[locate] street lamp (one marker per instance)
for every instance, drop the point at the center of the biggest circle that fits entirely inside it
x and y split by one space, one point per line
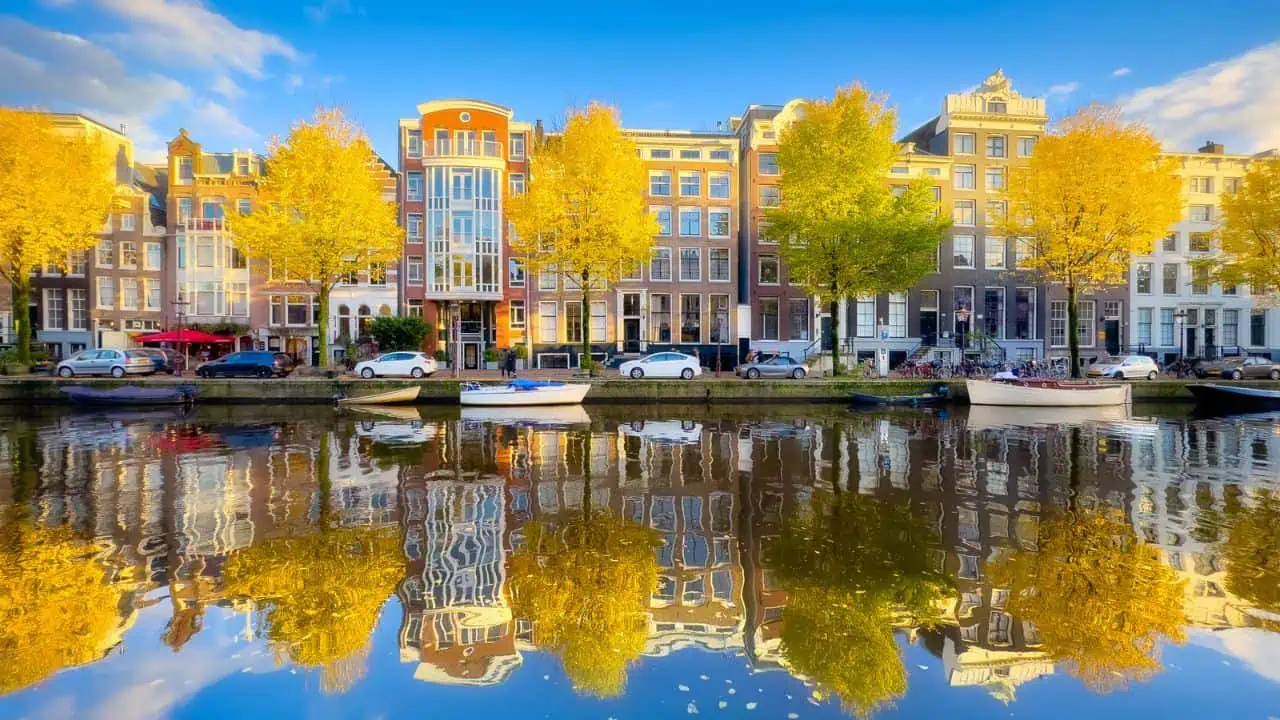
180 309
1181 339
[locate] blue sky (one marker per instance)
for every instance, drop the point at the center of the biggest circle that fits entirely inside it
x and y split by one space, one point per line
234 72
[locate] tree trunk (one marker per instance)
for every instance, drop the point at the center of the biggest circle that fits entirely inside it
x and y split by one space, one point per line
324 324
586 475
586 360
324 481
833 307
22 316
1073 331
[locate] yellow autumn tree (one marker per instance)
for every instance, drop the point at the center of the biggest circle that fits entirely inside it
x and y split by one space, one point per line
1249 234
322 593
1102 600
585 586
1095 192
584 214
322 215
842 230
1252 552
57 609
55 192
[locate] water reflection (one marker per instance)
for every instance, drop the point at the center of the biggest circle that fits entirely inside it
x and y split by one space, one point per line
819 542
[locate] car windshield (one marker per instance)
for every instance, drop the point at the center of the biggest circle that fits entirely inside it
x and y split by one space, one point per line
1111 360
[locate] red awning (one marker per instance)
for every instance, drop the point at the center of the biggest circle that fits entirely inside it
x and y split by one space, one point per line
184 336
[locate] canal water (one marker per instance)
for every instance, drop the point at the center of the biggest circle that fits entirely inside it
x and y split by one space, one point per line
639 562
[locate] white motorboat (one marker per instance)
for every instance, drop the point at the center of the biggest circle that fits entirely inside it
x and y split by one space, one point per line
989 417
523 392
1034 393
547 416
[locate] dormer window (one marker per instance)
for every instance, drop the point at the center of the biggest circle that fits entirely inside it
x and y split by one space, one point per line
997 106
243 165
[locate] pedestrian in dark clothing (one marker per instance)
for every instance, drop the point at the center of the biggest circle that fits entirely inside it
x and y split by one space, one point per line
510 365
502 362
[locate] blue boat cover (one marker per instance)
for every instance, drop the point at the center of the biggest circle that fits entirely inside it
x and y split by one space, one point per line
521 384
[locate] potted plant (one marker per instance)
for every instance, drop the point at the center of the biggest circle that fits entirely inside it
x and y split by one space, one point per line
442 359
522 357
491 358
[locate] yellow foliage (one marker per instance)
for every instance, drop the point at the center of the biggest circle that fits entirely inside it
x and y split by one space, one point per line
321 215
322 591
56 608
1252 552
585 586
584 211
55 193
1250 231
1101 600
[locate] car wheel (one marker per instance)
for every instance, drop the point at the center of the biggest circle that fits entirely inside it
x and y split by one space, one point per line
797 374
687 373
752 373
117 372
636 373
1237 375
1275 374
417 373
265 373
66 372
366 373
1151 375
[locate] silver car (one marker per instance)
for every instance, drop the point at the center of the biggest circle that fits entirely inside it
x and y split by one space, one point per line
773 366
116 363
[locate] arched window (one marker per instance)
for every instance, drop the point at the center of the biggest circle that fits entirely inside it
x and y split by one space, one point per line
384 311
344 322
364 318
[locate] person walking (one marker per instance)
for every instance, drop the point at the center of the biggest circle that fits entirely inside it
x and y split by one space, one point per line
509 366
502 362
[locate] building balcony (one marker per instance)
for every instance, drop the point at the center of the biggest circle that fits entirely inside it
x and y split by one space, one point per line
196 224
456 149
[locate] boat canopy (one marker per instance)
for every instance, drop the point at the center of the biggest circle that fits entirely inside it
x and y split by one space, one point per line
522 384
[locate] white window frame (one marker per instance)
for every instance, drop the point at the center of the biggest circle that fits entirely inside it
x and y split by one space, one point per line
657 210
955 251
659 175
973 140
898 323
694 175
148 284
128 222
711 252
760 269
412 262
50 295
989 242
1091 317
661 250
964 171
410 220
760 167
409 145
517 315
515 183
694 212
728 223
713 179
973 213
409 194
146 256
697 252
1057 323
71 313
555 321
774 188
108 282
1022 139
1148 324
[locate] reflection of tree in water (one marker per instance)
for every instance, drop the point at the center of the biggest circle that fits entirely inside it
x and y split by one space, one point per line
585 585
1100 599
323 593
1252 552
854 568
57 609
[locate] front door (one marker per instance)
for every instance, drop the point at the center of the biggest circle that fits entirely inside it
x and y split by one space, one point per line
471 356
1111 329
1209 341
1189 347
928 328
828 340
631 335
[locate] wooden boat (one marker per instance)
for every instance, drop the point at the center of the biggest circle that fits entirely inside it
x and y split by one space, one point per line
131 395
524 392
553 416
390 412
1047 393
390 397
938 396
1235 398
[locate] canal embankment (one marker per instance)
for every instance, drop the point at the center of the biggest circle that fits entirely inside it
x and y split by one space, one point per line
37 390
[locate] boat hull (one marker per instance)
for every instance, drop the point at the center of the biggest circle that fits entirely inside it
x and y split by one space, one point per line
858 398
391 397
1236 399
986 392
131 395
504 396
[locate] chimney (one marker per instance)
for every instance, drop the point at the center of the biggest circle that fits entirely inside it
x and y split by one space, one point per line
123 128
537 130
1213 148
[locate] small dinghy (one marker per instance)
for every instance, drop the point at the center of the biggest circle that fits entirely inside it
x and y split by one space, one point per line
131 395
937 397
1235 398
1046 393
523 392
398 396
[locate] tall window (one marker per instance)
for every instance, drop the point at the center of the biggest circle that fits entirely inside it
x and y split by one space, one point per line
964 177
1170 242
154 256
690 318
1199 280
1169 279
106 293
1230 328
1200 242
996 146
768 164
798 318
106 252
690 183
413 186
1087 323
413 143
516 314
995 179
79 307
413 270
995 211
963 249
962 310
515 183
573 321
768 269
965 144
718 264
865 317
690 264
690 222
660 264
898 315
599 321
1026 146
547 330
130 298
770 196
993 312
1024 313
1024 250
1201 213
548 278
719 311
55 309
718 223
1144 326
1258 328
515 272
663 216
1202 184
517 146
718 185
151 294
994 253
1142 278
128 222
660 183
78 262
1058 323
660 318
963 213
768 318
1166 327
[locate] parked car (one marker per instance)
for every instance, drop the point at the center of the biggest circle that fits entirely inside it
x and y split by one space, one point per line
252 363
1125 367
1239 368
662 365
771 366
166 361
412 364
116 363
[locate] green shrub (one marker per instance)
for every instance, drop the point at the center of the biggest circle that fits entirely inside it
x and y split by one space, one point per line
491 354
399 333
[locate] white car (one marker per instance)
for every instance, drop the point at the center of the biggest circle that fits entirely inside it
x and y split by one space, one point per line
405 364
662 365
1125 367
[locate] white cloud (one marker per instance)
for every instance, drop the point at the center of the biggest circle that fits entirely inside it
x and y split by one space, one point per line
1121 72
292 81
320 13
186 32
1256 648
1230 101
68 73
227 88
1062 90
211 118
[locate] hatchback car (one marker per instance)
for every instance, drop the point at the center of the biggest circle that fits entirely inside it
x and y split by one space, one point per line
1125 367
662 365
250 363
1240 368
166 361
116 363
410 364
779 366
